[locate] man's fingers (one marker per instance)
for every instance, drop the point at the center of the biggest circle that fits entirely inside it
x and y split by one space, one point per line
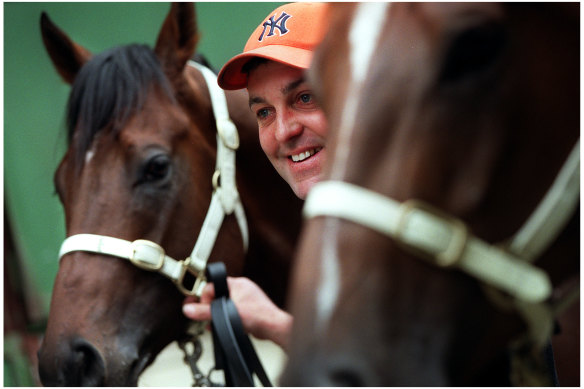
197 311
208 294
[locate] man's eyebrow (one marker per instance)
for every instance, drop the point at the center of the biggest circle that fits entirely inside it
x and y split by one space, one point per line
292 85
255 100
285 90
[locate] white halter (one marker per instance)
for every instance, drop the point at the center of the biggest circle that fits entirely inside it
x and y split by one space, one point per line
225 201
445 241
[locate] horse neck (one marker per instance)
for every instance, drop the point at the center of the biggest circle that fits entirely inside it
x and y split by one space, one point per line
272 209
257 179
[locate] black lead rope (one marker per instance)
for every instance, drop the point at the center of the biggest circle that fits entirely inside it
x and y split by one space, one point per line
234 352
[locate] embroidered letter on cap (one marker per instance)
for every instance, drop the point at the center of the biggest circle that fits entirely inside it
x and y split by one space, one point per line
279 23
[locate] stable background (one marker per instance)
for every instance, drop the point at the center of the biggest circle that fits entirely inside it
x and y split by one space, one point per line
34 140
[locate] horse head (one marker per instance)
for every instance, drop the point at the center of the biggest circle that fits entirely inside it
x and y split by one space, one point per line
472 109
140 161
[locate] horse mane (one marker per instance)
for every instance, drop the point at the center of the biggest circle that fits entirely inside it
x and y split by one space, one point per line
109 89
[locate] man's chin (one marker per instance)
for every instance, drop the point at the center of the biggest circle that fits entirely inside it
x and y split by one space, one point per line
302 188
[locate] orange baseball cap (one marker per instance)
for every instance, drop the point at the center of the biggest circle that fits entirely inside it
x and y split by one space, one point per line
288 35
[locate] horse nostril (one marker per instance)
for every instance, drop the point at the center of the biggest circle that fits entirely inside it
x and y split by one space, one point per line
85 366
327 371
346 377
344 370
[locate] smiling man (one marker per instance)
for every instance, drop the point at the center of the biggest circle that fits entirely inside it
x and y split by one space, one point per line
292 132
292 128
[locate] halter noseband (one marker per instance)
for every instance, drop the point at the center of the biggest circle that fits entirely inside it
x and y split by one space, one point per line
446 241
224 201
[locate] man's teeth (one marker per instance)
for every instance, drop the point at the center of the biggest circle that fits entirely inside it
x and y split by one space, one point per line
304 155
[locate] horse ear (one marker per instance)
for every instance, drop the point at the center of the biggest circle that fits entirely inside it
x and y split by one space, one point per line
178 38
67 56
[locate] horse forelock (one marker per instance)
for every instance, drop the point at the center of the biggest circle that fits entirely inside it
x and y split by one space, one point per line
108 90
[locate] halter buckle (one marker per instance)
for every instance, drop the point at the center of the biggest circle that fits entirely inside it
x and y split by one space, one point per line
198 284
143 251
458 233
228 133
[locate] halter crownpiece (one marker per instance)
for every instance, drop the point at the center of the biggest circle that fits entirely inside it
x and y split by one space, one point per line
225 200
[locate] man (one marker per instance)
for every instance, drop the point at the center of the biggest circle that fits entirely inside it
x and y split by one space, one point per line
292 132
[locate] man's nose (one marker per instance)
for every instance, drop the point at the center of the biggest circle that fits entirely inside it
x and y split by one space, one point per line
288 126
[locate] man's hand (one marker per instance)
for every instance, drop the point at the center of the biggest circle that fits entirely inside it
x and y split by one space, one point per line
260 316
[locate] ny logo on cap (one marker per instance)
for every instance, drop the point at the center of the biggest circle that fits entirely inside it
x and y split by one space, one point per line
279 23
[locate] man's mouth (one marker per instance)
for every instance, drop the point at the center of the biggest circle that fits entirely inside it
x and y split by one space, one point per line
304 155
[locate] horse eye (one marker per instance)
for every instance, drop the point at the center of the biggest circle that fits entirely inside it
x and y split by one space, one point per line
156 169
472 51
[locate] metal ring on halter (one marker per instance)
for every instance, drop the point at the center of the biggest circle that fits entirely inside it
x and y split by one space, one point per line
198 284
215 179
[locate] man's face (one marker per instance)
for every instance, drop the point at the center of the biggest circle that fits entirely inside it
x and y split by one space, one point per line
292 128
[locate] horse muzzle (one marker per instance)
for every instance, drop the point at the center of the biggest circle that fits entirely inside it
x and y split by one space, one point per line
78 362
74 363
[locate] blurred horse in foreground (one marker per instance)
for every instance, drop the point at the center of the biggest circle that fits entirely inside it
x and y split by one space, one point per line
444 239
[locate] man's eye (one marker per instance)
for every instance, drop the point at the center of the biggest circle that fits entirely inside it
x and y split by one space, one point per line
262 113
306 98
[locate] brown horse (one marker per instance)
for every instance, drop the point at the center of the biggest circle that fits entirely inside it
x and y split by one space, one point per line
140 165
473 109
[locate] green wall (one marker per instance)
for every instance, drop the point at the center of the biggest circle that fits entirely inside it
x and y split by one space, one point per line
34 106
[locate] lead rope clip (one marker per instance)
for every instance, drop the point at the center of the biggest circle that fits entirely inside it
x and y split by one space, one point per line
193 349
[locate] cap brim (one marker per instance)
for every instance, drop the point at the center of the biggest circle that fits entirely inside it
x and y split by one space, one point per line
231 76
